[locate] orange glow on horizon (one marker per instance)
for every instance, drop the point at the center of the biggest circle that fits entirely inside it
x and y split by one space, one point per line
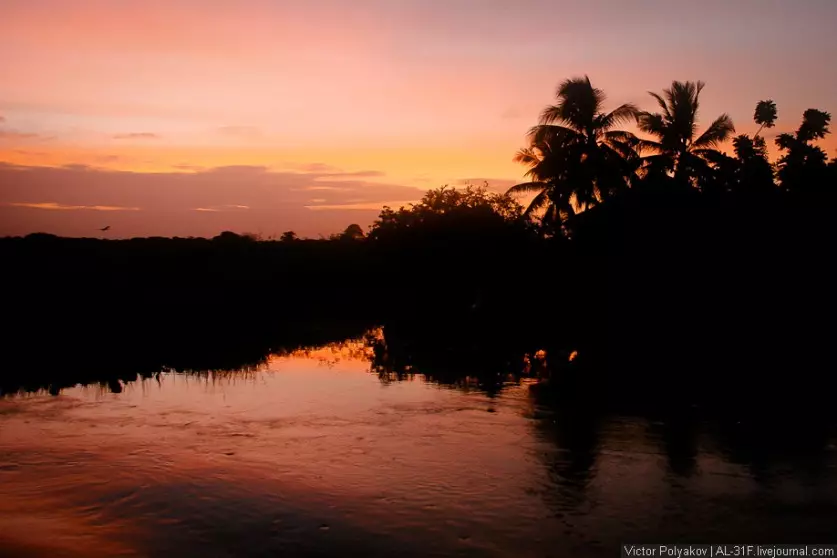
410 94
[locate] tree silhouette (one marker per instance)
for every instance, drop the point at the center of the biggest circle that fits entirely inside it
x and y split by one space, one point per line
288 236
352 232
803 166
446 208
754 173
751 171
765 115
677 150
575 157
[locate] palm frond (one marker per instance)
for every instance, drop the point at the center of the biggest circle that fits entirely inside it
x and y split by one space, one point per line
553 134
645 146
616 154
684 101
528 188
651 123
538 202
527 156
713 156
617 136
718 132
554 113
578 104
662 103
621 114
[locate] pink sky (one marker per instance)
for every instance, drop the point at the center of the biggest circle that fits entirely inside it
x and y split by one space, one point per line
314 114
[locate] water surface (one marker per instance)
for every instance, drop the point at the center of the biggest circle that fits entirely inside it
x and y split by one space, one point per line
313 455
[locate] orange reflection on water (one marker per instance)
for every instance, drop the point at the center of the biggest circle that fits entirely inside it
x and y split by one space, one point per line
311 454
313 434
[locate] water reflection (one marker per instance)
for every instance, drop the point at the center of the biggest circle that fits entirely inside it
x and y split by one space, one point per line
678 436
616 477
359 448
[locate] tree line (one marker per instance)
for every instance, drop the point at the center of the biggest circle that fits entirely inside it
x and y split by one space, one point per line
667 267
578 158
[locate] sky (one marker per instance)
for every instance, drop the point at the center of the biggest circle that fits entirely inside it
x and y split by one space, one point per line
190 117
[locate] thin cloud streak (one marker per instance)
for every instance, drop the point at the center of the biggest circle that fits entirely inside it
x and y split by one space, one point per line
12 135
226 207
358 206
137 135
204 203
53 206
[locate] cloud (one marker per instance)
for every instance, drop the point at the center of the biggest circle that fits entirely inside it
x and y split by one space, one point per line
329 171
313 167
356 206
323 188
242 132
226 207
62 207
203 202
15 135
188 167
353 174
28 153
109 159
137 135
78 167
238 170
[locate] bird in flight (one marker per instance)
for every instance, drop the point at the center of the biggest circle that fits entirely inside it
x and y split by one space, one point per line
105 229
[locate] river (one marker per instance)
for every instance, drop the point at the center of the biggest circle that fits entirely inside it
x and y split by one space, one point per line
312 454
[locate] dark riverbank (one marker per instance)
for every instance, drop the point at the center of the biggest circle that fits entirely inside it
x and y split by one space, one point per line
672 274
668 300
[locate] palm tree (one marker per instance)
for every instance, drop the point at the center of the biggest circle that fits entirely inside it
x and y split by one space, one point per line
677 150
575 157
552 195
803 165
765 115
749 172
753 173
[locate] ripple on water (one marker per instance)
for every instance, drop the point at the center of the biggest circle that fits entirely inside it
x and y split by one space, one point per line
322 461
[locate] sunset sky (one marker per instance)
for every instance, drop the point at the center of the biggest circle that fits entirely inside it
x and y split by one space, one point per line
190 117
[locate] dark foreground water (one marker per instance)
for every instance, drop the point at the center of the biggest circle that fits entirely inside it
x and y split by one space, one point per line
315 456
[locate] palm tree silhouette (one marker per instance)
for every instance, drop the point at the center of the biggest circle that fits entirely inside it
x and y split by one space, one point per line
751 169
575 157
803 164
765 115
677 150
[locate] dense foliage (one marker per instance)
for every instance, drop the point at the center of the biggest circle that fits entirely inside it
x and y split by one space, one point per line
674 264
